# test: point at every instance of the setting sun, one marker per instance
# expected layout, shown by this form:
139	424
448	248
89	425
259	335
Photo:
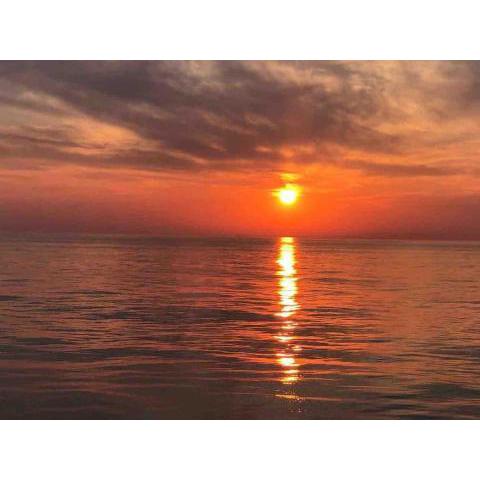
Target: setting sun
288	195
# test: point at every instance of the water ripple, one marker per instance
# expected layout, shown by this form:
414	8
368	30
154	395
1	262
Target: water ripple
107	327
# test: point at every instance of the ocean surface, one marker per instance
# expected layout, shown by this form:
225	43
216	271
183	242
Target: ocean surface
285	328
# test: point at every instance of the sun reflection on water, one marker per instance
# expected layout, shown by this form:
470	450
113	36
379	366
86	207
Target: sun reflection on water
287	292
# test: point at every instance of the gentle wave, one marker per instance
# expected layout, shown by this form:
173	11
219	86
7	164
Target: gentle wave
118	327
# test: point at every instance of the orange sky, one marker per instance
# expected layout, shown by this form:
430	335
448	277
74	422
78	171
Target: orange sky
385	149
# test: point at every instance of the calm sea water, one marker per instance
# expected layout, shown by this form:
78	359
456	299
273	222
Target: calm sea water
97	327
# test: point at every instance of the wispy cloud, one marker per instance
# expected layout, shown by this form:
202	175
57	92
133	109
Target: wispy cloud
238	115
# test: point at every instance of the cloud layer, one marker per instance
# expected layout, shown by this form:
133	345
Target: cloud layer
239	115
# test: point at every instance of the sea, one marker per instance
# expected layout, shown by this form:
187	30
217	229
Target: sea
121	327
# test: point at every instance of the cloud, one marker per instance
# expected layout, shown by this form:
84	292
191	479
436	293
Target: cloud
400	170
196	116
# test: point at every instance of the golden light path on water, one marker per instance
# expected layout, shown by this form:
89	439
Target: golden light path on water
287	292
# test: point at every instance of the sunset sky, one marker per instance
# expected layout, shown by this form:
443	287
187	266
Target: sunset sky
376	149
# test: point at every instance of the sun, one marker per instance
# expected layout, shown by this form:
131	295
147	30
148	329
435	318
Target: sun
288	194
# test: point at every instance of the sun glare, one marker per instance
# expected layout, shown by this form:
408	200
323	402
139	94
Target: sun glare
288	195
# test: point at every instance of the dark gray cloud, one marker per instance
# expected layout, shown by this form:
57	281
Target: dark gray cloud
228	115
